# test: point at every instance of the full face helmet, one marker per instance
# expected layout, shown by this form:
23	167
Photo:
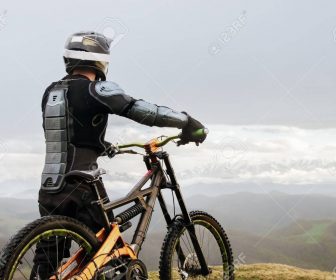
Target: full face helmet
88	50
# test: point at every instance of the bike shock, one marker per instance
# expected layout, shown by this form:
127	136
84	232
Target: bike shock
129	214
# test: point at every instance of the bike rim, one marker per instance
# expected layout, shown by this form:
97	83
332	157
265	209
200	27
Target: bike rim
63	233
205	233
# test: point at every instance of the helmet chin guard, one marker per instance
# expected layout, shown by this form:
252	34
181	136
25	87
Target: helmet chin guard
87	50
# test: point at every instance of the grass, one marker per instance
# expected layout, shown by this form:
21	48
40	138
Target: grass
272	272
314	235
280	272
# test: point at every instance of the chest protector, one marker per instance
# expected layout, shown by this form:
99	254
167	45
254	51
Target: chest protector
56	123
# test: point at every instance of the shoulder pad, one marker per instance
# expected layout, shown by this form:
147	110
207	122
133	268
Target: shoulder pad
106	88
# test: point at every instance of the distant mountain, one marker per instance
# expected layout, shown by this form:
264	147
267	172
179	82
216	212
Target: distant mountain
225	188
273	227
257	213
260	213
15	213
314	246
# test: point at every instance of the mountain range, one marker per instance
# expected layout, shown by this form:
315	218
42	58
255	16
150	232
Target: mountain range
270	227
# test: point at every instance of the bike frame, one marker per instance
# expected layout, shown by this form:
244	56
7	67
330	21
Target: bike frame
148	196
113	245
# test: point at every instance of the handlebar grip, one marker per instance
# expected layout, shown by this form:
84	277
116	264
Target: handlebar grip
200	132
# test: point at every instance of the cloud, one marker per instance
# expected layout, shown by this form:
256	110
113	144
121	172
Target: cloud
236	154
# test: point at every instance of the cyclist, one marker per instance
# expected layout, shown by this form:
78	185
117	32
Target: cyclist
75	114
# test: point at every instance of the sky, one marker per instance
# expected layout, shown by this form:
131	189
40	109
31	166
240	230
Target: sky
259	74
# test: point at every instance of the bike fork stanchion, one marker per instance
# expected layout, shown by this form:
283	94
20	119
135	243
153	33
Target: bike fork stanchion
187	220
164	209
169	220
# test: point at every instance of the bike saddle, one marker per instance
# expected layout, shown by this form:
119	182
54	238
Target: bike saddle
88	175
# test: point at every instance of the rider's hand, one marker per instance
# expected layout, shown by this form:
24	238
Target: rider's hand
188	130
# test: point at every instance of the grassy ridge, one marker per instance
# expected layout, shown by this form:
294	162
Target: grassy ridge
273	272
280	272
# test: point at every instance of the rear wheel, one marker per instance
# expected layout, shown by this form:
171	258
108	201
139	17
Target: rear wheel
178	258
37	250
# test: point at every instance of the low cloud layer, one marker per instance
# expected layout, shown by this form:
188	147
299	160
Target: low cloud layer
231	154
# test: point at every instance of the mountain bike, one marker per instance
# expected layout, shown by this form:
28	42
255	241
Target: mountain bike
195	246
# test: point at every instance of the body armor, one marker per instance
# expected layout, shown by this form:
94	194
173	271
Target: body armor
75	112
56	136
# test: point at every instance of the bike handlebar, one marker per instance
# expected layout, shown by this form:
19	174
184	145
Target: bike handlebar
198	133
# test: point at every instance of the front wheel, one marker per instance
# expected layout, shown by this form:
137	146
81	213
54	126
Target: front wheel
178	258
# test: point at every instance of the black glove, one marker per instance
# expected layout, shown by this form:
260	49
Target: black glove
188	130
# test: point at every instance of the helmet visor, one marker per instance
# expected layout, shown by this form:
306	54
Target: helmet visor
83	55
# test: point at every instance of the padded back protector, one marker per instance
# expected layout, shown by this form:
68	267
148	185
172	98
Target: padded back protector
56	136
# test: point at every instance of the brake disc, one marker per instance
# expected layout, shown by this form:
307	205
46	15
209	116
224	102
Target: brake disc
136	270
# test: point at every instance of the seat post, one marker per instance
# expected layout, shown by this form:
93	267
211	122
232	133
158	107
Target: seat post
100	203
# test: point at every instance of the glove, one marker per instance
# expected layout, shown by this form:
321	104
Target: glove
188	130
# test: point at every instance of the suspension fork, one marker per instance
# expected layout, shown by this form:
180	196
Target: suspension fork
169	220
189	225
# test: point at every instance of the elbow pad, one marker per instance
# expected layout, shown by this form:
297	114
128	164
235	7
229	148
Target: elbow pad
153	115
112	96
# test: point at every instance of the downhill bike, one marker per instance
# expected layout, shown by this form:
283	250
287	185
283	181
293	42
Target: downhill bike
195	246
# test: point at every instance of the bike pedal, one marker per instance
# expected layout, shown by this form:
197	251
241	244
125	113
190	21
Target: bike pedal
125	226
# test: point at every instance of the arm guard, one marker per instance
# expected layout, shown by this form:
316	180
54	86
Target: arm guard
117	102
111	96
153	115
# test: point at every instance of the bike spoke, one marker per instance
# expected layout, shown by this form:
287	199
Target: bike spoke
28	263
22	273
212	254
47	255
207	258
203	235
63	251
189	242
189	249
55	271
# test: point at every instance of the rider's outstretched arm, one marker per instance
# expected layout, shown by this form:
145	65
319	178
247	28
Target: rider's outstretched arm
115	99
117	102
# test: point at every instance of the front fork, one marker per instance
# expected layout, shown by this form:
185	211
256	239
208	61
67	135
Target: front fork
187	220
